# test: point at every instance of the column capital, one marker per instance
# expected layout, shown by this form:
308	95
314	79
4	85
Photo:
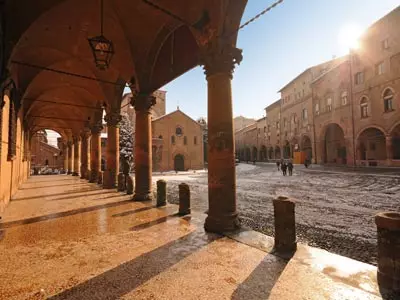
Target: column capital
143	101
96	128
76	139
86	133
113	118
219	57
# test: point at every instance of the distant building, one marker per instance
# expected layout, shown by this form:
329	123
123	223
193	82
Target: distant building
241	122
345	111
177	142
42	153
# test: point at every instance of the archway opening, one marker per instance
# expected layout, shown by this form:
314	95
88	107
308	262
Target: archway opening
396	142
286	150
306	147
263	153
335	147
372	145
270	153
277	152
179	162
254	153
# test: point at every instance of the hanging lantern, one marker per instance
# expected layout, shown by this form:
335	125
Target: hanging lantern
102	48
103	51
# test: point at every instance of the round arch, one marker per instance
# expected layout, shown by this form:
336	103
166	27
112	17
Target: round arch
306	147
334	145
371	145
278	152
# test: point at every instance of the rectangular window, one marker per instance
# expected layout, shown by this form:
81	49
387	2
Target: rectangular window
317	109
195	140
344	98
185	140
305	114
173	140
329	104
380	68
359	78
265	128
385	44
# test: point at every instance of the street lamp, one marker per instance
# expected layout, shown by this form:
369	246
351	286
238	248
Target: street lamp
102	48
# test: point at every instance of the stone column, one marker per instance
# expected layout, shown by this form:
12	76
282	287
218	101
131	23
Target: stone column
143	156
112	155
89	150
77	156
84	153
65	149
219	61
70	157
95	154
389	149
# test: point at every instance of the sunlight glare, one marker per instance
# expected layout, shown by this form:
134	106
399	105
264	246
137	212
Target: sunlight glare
349	36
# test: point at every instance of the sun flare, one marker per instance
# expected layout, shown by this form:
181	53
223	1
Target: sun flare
349	36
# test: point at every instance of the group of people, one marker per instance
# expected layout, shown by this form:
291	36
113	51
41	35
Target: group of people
285	167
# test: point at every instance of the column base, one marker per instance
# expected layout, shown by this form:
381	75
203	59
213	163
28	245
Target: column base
94	177
142	197
222	223
75	174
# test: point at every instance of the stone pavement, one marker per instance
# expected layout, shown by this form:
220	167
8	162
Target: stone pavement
62	238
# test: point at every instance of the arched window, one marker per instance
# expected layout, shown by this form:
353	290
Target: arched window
178	131
364	107
344	97
173	140
388	100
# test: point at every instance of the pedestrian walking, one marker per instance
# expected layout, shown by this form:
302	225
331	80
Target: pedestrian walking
278	163
284	168
290	168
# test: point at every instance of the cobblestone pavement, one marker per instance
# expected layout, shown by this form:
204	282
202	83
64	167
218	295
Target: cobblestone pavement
334	209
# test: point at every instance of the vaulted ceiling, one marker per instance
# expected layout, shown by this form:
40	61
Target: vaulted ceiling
151	49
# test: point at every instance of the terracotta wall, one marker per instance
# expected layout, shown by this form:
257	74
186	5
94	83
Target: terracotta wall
163	130
12	172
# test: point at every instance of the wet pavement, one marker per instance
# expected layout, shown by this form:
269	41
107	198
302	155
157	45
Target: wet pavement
62	238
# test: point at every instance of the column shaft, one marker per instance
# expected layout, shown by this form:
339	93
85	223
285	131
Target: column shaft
84	155
77	157
143	151
66	158
389	148
70	157
112	157
95	155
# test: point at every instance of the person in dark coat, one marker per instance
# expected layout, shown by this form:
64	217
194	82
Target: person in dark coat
284	168
290	167
278	164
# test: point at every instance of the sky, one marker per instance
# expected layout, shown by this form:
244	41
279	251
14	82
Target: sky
276	48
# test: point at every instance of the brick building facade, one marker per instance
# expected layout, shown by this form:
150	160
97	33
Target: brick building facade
344	111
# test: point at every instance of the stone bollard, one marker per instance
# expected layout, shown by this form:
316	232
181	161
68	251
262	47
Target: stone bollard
184	199
388	226
161	192
285	225
121	182
129	185
100	177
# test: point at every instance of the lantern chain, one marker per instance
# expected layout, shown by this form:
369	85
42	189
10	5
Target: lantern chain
172	15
